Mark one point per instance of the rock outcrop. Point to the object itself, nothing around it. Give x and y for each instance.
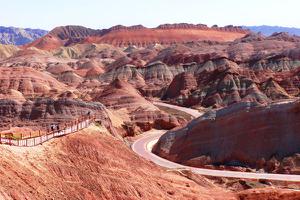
(7, 50)
(42, 112)
(181, 87)
(244, 134)
(61, 36)
(29, 82)
(216, 83)
(124, 98)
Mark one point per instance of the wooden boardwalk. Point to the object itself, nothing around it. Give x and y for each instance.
(33, 141)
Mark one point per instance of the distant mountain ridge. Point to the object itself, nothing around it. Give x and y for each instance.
(269, 30)
(138, 35)
(19, 36)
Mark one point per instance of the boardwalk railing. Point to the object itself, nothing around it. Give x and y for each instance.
(33, 141)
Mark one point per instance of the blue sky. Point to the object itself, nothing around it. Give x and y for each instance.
(103, 14)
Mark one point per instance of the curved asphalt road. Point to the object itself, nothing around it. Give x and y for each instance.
(192, 112)
(143, 147)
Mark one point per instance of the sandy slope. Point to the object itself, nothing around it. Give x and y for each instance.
(92, 165)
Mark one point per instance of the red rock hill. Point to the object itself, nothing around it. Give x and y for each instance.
(243, 134)
(137, 35)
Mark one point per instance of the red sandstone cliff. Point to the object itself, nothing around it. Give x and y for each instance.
(243, 134)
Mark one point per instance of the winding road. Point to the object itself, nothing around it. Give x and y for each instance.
(143, 147)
